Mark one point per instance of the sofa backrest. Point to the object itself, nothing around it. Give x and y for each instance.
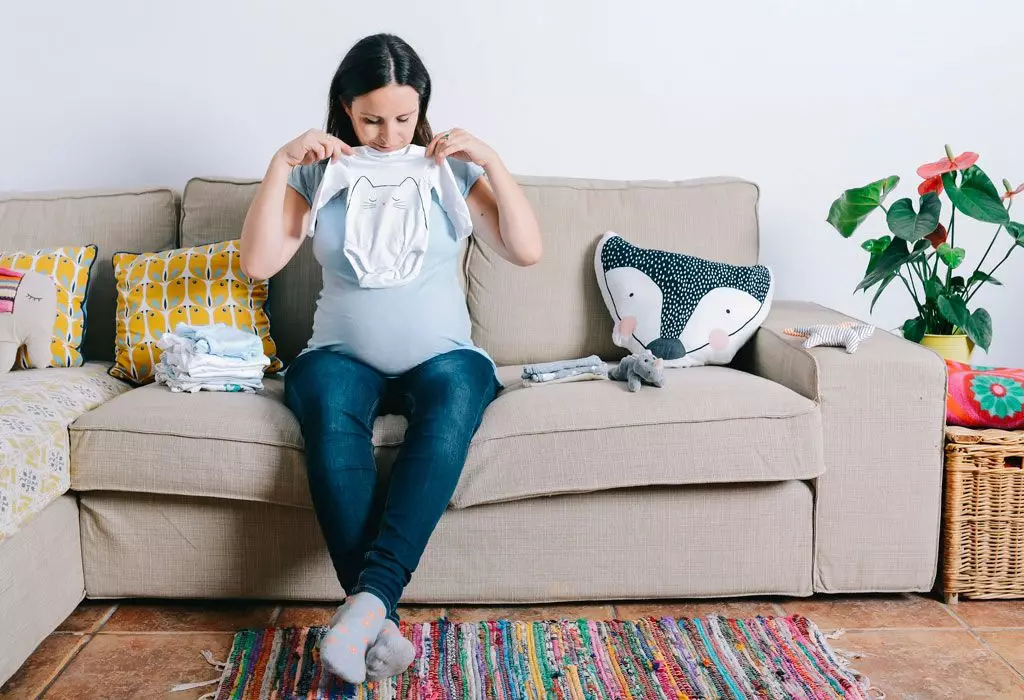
(213, 210)
(124, 221)
(554, 310)
(550, 311)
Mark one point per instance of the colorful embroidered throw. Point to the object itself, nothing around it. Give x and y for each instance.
(985, 397)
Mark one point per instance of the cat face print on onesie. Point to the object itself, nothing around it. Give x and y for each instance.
(387, 220)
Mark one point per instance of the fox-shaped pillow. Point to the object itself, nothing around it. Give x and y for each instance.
(688, 311)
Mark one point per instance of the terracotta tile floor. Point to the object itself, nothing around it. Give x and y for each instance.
(910, 646)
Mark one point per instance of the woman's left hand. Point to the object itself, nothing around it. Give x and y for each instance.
(459, 143)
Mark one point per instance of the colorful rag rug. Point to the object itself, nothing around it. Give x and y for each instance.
(711, 657)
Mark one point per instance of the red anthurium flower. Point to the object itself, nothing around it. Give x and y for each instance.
(948, 165)
(938, 236)
(1010, 194)
(932, 172)
(932, 184)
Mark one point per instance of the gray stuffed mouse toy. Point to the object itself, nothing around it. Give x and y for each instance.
(641, 367)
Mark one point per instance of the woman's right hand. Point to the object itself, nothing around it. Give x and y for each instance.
(312, 146)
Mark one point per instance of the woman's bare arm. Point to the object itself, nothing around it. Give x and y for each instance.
(502, 216)
(275, 224)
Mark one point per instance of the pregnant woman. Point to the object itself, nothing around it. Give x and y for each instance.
(387, 204)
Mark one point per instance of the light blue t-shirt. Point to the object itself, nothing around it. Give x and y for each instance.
(391, 329)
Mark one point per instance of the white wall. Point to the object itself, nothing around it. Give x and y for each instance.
(806, 98)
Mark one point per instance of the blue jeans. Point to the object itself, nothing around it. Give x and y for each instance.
(376, 536)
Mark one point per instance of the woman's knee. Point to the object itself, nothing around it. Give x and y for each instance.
(455, 387)
(330, 393)
(457, 371)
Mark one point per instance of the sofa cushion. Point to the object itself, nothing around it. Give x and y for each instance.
(227, 445)
(708, 425)
(212, 211)
(68, 270)
(686, 310)
(216, 444)
(134, 221)
(36, 406)
(553, 310)
(198, 286)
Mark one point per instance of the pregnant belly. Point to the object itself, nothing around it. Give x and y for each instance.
(392, 330)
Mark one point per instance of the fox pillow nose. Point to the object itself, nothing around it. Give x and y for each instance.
(667, 348)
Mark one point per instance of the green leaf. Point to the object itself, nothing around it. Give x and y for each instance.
(951, 256)
(850, 209)
(875, 246)
(933, 288)
(983, 277)
(881, 288)
(975, 196)
(910, 226)
(1017, 231)
(954, 310)
(894, 257)
(913, 329)
(979, 329)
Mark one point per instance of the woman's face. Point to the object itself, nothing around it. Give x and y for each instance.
(385, 118)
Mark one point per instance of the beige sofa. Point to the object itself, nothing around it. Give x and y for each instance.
(789, 473)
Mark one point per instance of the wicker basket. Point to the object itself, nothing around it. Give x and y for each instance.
(983, 542)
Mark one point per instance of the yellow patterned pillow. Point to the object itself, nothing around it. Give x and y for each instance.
(198, 286)
(69, 268)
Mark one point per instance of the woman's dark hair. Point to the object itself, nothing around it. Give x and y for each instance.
(375, 62)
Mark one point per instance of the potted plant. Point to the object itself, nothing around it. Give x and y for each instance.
(922, 255)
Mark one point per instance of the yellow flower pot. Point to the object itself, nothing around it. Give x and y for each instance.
(957, 348)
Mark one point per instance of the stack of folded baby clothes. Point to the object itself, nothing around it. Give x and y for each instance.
(216, 357)
(565, 371)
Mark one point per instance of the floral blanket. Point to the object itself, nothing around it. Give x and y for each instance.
(36, 407)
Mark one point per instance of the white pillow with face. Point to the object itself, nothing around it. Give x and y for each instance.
(686, 310)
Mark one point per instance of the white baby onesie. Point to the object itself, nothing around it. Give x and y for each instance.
(389, 198)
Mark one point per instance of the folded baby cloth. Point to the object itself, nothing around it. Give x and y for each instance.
(222, 340)
(211, 358)
(166, 374)
(580, 369)
(183, 355)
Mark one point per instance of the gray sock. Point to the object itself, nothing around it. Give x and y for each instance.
(356, 624)
(390, 654)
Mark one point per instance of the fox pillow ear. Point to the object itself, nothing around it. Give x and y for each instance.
(688, 311)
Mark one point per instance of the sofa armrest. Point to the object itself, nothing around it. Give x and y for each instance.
(883, 411)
